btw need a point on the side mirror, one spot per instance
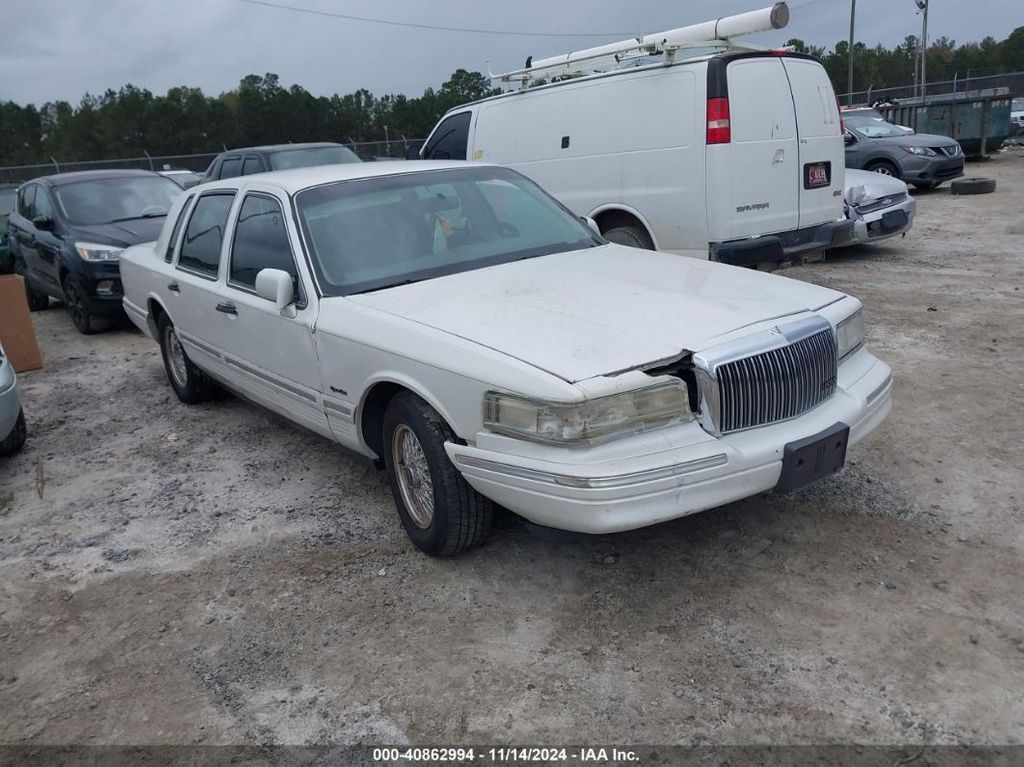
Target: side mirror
(592, 224)
(275, 285)
(412, 153)
(849, 138)
(43, 223)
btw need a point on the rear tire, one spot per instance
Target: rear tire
(14, 441)
(189, 383)
(630, 236)
(441, 513)
(37, 302)
(884, 167)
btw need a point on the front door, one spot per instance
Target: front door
(271, 355)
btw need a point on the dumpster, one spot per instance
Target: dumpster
(978, 120)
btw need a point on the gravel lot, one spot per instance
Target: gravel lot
(211, 575)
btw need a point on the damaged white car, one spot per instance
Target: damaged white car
(460, 325)
(880, 206)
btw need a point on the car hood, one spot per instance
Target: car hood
(121, 234)
(876, 185)
(922, 139)
(597, 311)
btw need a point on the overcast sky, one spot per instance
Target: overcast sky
(61, 49)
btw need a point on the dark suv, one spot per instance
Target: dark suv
(67, 233)
(8, 194)
(261, 159)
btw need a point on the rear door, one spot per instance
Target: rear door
(822, 153)
(755, 174)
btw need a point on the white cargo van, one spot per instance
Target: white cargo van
(736, 156)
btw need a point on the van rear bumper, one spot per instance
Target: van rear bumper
(783, 245)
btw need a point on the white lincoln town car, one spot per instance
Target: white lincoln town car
(459, 325)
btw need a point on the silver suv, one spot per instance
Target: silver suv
(922, 159)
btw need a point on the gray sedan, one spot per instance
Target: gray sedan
(922, 159)
(12, 419)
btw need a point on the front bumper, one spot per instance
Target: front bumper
(664, 474)
(10, 399)
(103, 290)
(931, 170)
(875, 226)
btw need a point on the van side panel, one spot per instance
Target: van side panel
(818, 123)
(753, 180)
(632, 141)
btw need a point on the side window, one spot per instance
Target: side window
(26, 195)
(200, 249)
(261, 242)
(252, 165)
(42, 206)
(450, 140)
(230, 167)
(169, 255)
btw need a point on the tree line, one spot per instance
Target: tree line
(131, 121)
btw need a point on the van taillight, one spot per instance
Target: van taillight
(718, 121)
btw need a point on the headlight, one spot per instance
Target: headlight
(850, 334)
(90, 251)
(590, 421)
(920, 150)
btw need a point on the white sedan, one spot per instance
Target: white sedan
(880, 206)
(458, 324)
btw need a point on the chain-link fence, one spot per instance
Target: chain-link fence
(13, 174)
(1014, 81)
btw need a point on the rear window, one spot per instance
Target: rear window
(7, 200)
(310, 156)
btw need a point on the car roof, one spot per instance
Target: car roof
(88, 175)
(282, 147)
(297, 179)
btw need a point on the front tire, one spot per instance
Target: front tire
(441, 513)
(14, 441)
(885, 168)
(189, 383)
(74, 294)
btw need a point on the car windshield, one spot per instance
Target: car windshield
(376, 233)
(871, 126)
(106, 200)
(1017, 105)
(306, 158)
(7, 198)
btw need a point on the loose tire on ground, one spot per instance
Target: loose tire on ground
(189, 383)
(14, 441)
(419, 471)
(973, 186)
(630, 236)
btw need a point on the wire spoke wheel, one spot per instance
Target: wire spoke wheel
(413, 474)
(176, 355)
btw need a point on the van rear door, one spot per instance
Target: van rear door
(752, 174)
(822, 156)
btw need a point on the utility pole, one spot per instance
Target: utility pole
(923, 7)
(849, 77)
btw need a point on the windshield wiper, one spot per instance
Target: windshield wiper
(391, 285)
(136, 218)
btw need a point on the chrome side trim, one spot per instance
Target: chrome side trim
(200, 345)
(338, 408)
(611, 481)
(880, 390)
(257, 373)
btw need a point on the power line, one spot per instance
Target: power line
(413, 25)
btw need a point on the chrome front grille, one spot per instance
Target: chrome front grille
(795, 372)
(950, 151)
(882, 202)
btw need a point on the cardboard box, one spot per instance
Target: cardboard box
(17, 334)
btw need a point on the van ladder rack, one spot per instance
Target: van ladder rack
(715, 34)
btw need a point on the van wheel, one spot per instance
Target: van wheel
(441, 513)
(630, 236)
(185, 378)
(14, 441)
(884, 167)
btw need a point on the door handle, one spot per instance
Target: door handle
(227, 309)
(174, 287)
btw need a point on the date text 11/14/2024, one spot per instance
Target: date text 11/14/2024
(501, 754)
